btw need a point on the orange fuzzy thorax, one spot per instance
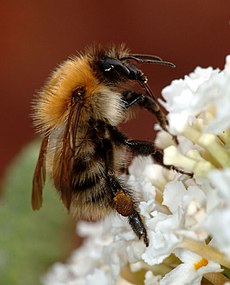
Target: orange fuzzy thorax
(53, 100)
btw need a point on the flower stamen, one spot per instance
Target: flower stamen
(202, 262)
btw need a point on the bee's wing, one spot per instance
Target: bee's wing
(62, 172)
(39, 176)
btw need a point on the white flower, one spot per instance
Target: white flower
(96, 262)
(217, 222)
(202, 114)
(203, 91)
(162, 236)
(188, 209)
(191, 271)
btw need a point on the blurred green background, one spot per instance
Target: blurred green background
(30, 241)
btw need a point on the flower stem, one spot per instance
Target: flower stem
(216, 278)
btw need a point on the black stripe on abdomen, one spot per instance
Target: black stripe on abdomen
(87, 174)
(86, 183)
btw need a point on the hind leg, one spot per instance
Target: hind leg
(123, 200)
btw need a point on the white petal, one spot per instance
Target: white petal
(161, 246)
(173, 195)
(181, 275)
(217, 224)
(221, 180)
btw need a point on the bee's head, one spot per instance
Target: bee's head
(116, 70)
(114, 66)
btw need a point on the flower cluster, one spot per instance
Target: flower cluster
(187, 217)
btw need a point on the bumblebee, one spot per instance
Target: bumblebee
(77, 112)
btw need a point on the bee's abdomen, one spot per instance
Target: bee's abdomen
(86, 181)
(87, 173)
(90, 190)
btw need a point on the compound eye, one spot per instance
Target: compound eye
(114, 68)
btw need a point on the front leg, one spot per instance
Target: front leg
(131, 98)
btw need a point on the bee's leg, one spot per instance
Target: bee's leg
(124, 204)
(130, 98)
(146, 148)
(123, 201)
(139, 147)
